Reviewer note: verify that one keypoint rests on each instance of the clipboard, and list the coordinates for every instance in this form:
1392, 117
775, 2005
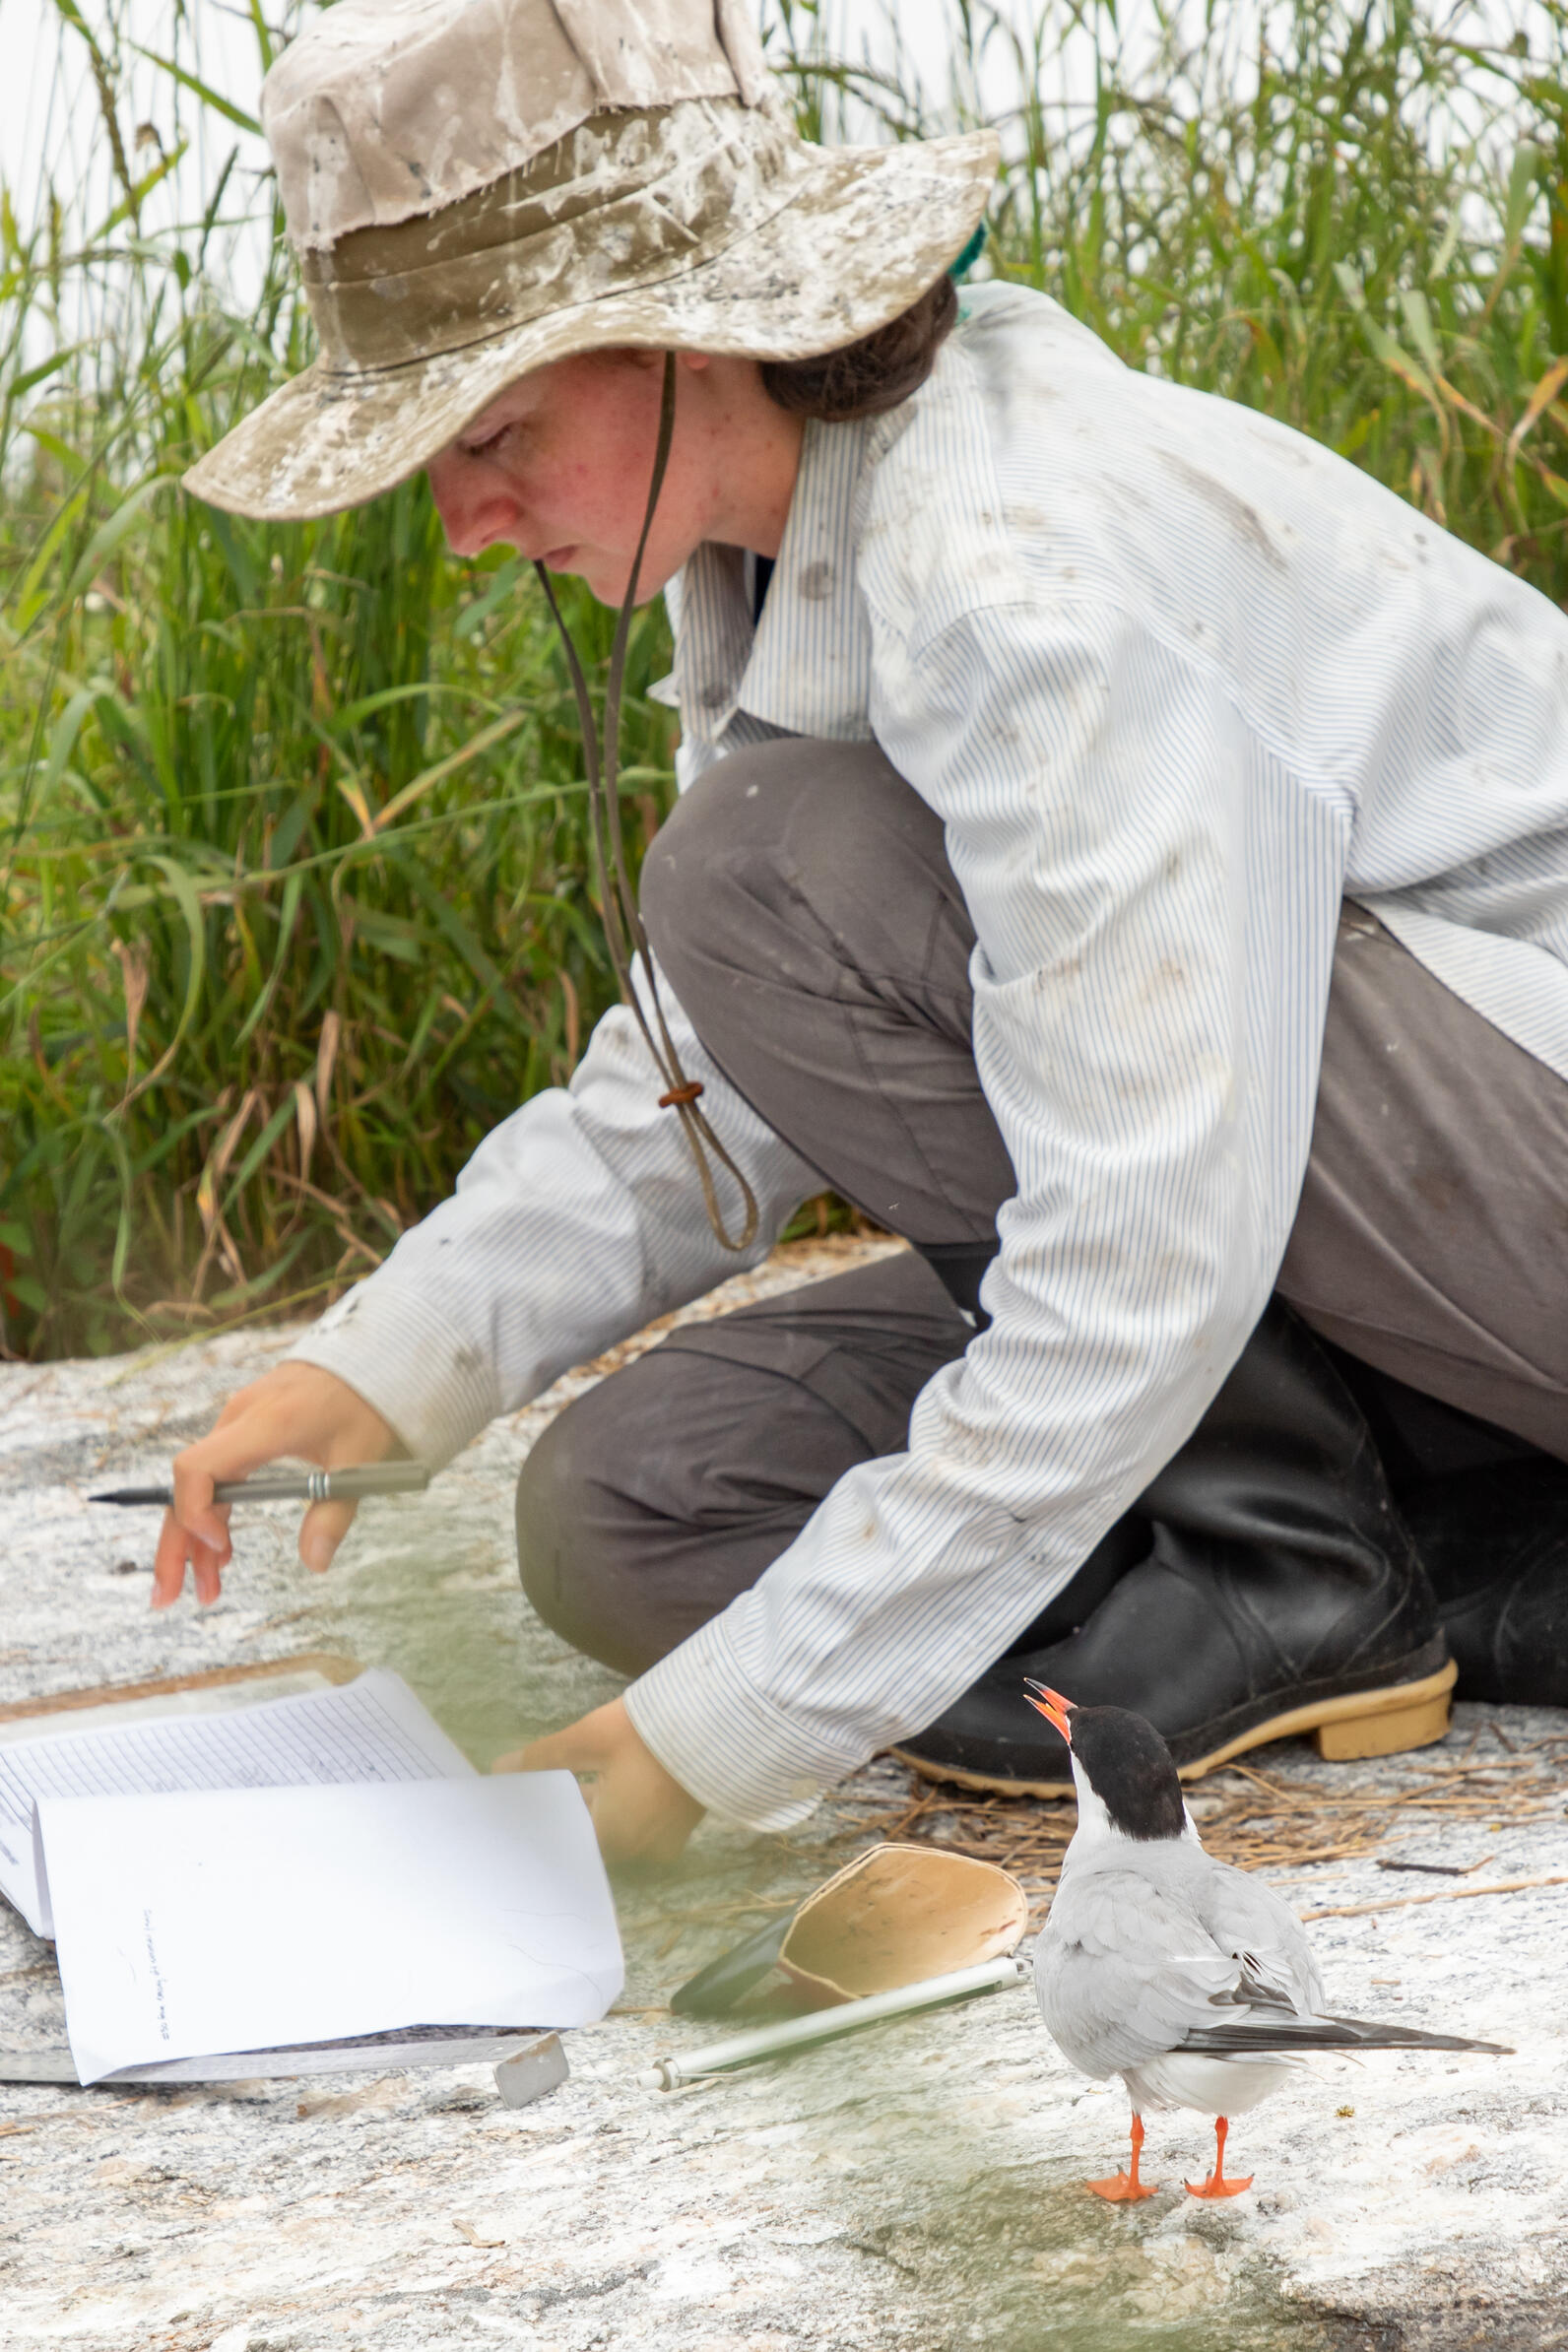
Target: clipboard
326, 1666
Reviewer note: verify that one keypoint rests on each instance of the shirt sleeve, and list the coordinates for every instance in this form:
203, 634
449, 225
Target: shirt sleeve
576, 1223
1155, 905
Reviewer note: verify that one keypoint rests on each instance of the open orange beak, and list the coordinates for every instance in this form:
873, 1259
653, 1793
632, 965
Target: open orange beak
1053, 1707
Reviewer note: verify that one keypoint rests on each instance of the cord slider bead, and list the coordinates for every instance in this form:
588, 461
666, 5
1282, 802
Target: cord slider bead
679, 1095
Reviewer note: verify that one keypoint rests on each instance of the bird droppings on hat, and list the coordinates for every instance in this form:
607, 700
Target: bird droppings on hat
478, 188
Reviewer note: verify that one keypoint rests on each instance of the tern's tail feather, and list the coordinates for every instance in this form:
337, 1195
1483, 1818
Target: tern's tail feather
1328, 2033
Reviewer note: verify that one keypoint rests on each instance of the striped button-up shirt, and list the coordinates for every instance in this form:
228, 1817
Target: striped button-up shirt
1176, 680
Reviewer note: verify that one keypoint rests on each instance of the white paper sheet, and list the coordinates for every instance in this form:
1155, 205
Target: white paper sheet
247, 1919
372, 1729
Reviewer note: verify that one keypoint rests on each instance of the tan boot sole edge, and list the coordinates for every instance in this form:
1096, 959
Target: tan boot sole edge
1365, 1722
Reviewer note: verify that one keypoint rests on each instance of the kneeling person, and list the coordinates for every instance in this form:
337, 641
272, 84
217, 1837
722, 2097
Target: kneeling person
1124, 849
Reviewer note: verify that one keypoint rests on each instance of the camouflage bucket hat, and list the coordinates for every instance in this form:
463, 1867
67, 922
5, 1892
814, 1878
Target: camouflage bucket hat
476, 189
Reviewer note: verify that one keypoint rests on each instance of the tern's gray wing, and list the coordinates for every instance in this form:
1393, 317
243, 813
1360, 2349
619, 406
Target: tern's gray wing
1124, 1969
1246, 1917
1276, 2008
1138, 1956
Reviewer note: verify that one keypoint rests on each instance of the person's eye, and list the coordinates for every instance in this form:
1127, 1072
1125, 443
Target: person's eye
485, 446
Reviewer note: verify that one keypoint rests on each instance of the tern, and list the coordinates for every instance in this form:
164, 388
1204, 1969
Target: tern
1190, 1980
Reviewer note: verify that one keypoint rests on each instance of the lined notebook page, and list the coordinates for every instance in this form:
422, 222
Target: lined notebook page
203, 1698
372, 1729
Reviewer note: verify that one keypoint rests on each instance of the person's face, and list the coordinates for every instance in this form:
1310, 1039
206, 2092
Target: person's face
560, 465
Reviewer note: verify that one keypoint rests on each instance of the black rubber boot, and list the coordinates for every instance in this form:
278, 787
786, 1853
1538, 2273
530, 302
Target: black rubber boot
1495, 1544
1281, 1593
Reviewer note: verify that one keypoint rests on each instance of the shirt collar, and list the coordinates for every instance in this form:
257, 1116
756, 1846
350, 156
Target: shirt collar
806, 667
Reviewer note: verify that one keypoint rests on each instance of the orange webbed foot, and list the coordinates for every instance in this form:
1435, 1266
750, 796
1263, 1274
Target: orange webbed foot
1125, 2189
1213, 2187
1217, 2185
1122, 2189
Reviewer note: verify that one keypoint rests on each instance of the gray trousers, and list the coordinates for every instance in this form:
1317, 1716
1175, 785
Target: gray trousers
801, 903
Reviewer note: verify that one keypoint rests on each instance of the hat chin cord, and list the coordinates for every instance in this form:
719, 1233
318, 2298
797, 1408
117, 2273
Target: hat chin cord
624, 934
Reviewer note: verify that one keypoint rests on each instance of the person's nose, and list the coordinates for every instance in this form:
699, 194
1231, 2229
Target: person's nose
475, 507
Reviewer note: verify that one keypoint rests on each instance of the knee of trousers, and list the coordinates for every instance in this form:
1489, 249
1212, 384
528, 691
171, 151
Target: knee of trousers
782, 861
567, 1553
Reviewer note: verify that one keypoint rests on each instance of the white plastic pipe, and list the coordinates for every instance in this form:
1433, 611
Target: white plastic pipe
826, 2025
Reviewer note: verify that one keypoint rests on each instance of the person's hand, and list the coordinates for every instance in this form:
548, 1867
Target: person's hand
641, 1812
298, 1409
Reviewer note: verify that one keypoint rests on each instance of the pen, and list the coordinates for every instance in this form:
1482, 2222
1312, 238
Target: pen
826, 2025
293, 1486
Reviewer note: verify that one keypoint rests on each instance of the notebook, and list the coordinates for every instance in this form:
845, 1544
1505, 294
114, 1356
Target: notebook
295, 1870
372, 1729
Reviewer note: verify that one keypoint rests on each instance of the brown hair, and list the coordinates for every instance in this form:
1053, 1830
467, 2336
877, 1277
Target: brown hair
867, 377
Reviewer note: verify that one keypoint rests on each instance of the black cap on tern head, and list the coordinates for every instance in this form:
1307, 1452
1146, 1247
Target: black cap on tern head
1128, 1767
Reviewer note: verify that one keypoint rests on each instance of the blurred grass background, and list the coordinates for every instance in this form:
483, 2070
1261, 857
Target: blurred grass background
294, 900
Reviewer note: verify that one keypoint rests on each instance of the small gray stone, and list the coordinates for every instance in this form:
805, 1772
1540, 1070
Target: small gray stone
533, 2073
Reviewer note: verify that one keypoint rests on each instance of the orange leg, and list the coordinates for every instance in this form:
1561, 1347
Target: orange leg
1216, 2183
1125, 2189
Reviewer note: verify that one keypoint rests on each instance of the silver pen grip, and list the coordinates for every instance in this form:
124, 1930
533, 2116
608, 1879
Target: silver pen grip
373, 1477
350, 1485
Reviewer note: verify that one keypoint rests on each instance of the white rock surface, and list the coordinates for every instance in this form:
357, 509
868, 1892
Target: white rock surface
916, 2191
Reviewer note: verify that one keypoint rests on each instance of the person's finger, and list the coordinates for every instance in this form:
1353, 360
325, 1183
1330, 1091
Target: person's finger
206, 1572
177, 1547
194, 1506
321, 1531
169, 1562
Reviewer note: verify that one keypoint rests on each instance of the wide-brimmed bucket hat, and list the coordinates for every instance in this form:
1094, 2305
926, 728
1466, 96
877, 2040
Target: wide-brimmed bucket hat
478, 187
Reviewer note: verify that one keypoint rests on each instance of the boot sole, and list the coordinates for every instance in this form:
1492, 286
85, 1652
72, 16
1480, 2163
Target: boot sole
1360, 1724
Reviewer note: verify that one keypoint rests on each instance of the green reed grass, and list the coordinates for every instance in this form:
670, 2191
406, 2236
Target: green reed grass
294, 888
